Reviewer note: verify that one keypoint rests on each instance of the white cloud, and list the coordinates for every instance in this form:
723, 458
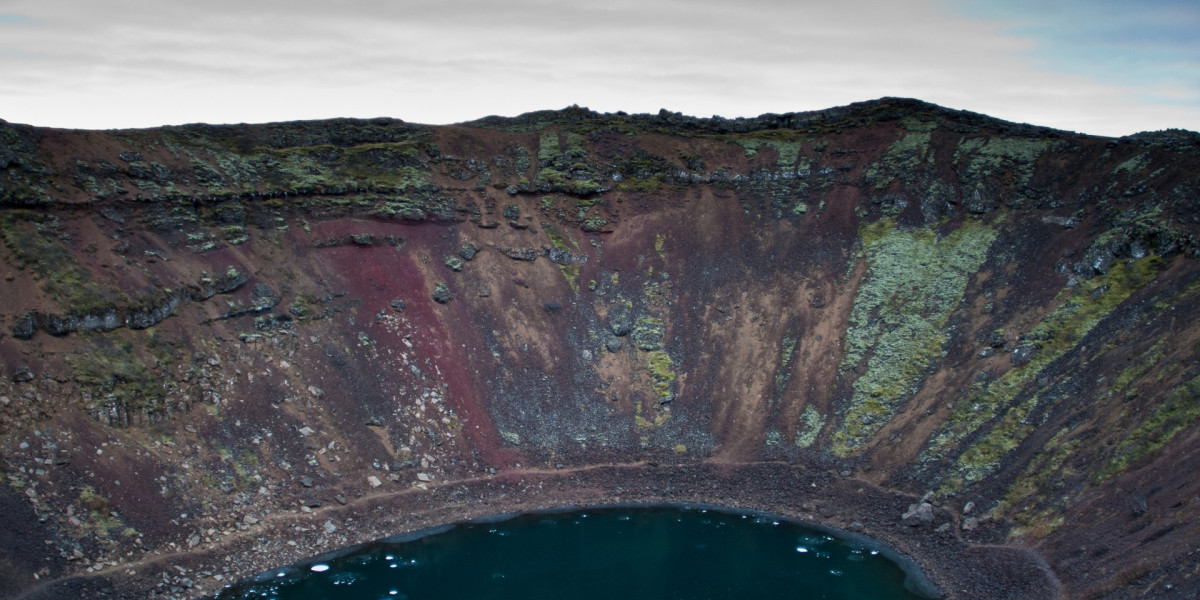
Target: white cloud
129, 63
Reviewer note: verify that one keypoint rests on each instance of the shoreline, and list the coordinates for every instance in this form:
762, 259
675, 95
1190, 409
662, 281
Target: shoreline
959, 567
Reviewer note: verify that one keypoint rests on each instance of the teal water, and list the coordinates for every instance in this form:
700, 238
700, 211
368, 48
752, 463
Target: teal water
627, 553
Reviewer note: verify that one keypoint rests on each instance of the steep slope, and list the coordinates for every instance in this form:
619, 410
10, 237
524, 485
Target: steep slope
218, 337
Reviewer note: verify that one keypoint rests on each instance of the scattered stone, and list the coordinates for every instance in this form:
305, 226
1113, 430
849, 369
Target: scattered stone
24, 327
552, 307
305, 431
262, 290
484, 292
309, 500
22, 375
1022, 355
526, 254
918, 514
112, 215
648, 334
340, 499
306, 481
997, 339
424, 477
454, 263
374, 481
1064, 222
316, 392
467, 252
943, 528
441, 294
968, 507
970, 524
250, 519
330, 527
398, 305
620, 321
613, 344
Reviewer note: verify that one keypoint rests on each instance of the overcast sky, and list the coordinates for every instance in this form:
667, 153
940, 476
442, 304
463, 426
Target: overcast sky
1109, 67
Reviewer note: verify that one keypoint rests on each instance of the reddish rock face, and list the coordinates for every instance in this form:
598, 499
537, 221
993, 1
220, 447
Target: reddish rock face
218, 339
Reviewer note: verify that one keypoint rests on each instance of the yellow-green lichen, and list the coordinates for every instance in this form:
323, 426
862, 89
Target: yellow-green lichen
809, 427
548, 148
788, 347
904, 156
1081, 309
983, 157
897, 326
662, 373
657, 419
1178, 411
1134, 164
570, 270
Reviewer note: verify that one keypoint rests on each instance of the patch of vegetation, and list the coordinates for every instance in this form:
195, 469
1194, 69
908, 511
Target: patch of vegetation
811, 423
649, 185
1080, 310
570, 270
787, 149
98, 517
662, 372
548, 148
646, 419
1134, 164
33, 238
115, 374
1136, 370
981, 158
898, 322
904, 157
785, 359
648, 334
1040, 483
1178, 411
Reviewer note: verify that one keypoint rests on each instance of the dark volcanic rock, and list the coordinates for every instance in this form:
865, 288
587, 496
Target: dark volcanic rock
441, 294
24, 327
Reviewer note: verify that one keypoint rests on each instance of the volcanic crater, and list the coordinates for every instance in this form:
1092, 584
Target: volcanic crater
228, 348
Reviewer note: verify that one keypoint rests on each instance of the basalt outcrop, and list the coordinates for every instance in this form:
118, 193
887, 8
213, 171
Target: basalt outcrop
224, 348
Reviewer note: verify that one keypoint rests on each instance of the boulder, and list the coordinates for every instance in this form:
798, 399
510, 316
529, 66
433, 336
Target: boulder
24, 327
441, 294
918, 515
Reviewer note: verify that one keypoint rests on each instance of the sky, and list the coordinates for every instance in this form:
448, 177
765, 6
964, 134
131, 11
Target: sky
1104, 67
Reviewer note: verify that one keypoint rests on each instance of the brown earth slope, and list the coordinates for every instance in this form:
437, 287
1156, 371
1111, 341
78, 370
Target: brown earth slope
226, 348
